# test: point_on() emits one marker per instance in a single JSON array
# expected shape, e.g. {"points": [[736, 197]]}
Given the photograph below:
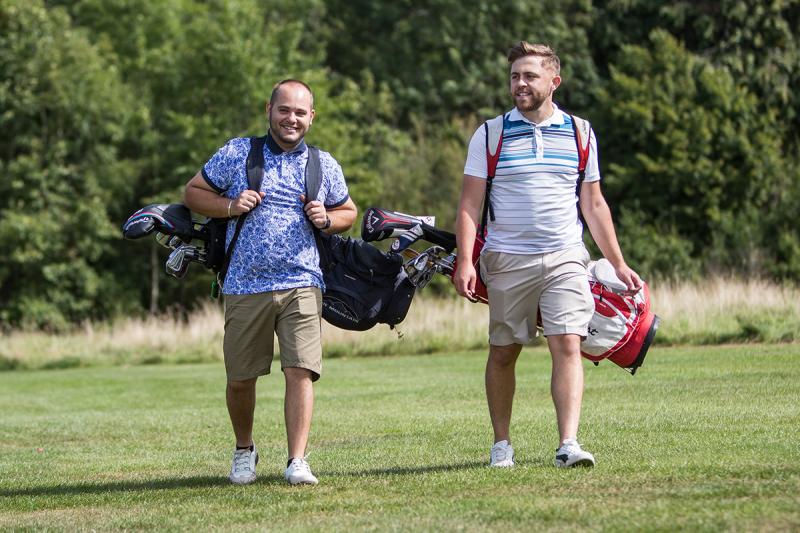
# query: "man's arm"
{"points": [[473, 190], [201, 198], [598, 217], [341, 217]]}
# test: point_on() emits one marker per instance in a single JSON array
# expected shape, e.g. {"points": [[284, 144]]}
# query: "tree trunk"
{"points": [[154, 269]]}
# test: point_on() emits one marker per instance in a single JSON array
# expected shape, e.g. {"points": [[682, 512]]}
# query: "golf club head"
{"points": [[178, 263], [378, 224]]}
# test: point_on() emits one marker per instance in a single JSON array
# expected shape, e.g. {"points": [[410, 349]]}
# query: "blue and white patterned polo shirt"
{"points": [[276, 248]]}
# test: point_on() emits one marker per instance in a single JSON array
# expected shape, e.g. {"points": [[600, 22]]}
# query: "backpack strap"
{"points": [[255, 174], [313, 173], [313, 183], [581, 129], [494, 143]]}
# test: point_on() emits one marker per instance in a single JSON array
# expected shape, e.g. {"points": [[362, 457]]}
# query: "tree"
{"points": [[64, 111], [693, 152]]}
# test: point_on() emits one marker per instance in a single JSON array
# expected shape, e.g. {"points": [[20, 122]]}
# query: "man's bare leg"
{"points": [[298, 406], [566, 383], [241, 399], [500, 385]]}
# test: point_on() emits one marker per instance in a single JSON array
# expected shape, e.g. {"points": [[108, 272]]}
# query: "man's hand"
{"points": [[246, 202], [316, 212], [464, 279], [630, 278]]}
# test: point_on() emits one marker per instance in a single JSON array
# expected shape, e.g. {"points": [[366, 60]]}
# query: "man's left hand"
{"points": [[630, 278], [316, 212]]}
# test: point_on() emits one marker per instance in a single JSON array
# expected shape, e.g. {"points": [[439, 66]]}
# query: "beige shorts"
{"points": [[520, 285], [253, 320]]}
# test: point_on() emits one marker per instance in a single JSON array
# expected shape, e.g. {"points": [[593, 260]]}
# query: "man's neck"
{"points": [[541, 114]]}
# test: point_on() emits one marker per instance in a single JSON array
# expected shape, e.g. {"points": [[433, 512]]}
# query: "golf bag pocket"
{"points": [[363, 286], [623, 326]]}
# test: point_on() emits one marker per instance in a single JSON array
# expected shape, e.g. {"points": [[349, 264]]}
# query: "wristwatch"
{"points": [[327, 222]]}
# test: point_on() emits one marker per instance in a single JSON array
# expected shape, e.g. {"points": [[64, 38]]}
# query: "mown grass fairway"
{"points": [[700, 439]]}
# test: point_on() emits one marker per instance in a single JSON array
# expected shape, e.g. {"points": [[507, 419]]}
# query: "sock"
{"points": [[251, 447]]}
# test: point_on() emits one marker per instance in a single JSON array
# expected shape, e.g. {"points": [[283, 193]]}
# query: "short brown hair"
{"points": [[284, 82], [524, 48]]}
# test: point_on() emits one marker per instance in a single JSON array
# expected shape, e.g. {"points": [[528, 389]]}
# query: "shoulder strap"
{"points": [[494, 143], [313, 174], [313, 184], [255, 174], [581, 129]]}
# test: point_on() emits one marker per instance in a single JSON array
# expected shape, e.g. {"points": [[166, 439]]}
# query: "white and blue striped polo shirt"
{"points": [[533, 191]]}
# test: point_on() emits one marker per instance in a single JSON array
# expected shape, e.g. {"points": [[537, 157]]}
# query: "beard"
{"points": [[277, 131], [531, 104]]}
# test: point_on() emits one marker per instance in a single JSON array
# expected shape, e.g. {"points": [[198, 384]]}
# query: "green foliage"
{"points": [[64, 114], [108, 105], [693, 152]]}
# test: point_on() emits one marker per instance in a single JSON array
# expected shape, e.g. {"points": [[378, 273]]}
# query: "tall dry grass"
{"points": [[717, 311]]}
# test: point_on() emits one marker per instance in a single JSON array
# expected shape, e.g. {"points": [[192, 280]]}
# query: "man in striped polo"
{"points": [[534, 259]]}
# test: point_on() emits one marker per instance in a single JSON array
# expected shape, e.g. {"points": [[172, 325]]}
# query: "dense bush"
{"points": [[107, 105]]}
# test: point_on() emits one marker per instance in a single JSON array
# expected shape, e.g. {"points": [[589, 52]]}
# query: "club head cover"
{"points": [[378, 224], [169, 219], [407, 238]]}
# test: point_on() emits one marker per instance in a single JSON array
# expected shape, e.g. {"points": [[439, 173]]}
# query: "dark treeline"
{"points": [[108, 105]]}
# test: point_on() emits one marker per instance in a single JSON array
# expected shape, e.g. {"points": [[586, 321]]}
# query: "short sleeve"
{"points": [[476, 154], [336, 192], [592, 165], [220, 171]]}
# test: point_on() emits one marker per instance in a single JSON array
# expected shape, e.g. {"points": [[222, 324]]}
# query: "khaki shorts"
{"points": [[519, 285], [253, 320]]}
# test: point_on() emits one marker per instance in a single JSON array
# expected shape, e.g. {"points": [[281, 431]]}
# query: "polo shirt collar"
{"points": [[277, 150], [556, 119]]}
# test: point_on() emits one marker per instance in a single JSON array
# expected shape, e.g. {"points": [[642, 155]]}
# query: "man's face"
{"points": [[531, 83], [290, 114]]}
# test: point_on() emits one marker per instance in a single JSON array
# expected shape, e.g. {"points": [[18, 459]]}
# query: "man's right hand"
{"points": [[464, 279], [246, 202]]}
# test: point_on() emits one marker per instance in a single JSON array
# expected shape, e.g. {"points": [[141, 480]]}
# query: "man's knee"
{"points": [[297, 375], [240, 386], [564, 346], [504, 355]]}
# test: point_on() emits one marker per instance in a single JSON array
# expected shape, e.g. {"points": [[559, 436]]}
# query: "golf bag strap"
{"points": [[494, 139], [255, 173], [581, 129]]}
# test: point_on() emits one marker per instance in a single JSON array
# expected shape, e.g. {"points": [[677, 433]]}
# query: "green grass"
{"points": [[700, 439]]}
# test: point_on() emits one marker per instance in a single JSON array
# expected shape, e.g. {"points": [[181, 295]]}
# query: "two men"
{"points": [[274, 283], [534, 258]]}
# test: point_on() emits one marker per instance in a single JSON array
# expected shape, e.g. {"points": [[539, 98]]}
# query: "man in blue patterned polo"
{"points": [[274, 284], [534, 258]]}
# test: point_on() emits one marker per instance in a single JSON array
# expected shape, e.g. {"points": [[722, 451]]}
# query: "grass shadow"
{"points": [[410, 470], [132, 486]]}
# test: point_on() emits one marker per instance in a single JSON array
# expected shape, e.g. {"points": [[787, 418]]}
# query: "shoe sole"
{"points": [[302, 482], [584, 463]]}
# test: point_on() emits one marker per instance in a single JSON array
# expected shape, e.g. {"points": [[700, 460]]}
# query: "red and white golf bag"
{"points": [[623, 327]]}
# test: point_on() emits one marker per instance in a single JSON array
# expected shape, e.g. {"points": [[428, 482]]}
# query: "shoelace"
{"points": [[301, 464], [241, 461], [570, 448], [500, 454]]}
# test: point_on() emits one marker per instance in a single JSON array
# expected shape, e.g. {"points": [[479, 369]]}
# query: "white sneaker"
{"points": [[571, 454], [502, 455], [299, 472], [243, 469]]}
